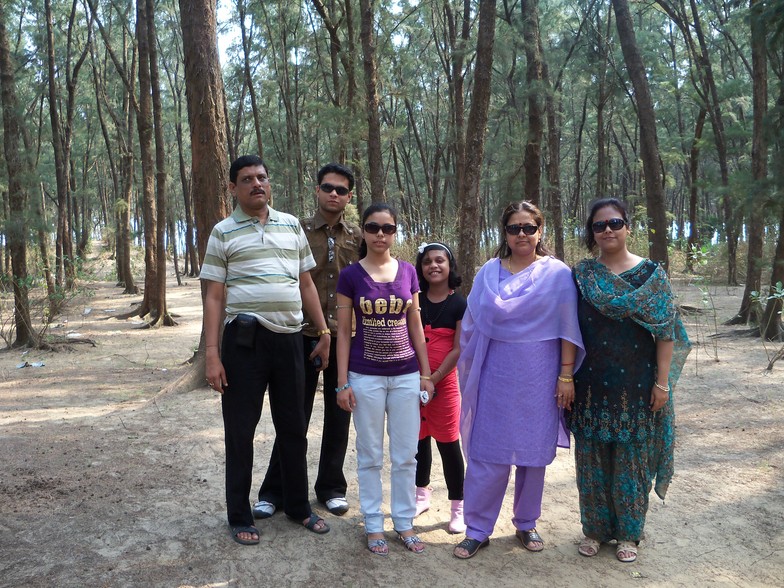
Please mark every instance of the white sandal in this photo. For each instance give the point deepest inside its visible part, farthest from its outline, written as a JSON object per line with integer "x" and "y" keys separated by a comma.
{"x": 589, "y": 547}
{"x": 628, "y": 547}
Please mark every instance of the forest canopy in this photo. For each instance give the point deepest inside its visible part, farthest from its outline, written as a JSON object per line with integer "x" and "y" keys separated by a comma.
{"x": 448, "y": 110}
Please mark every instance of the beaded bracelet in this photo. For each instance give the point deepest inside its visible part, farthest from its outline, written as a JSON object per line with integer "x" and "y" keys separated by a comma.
{"x": 345, "y": 386}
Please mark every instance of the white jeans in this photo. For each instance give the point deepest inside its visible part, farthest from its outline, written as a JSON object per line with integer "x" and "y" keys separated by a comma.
{"x": 397, "y": 397}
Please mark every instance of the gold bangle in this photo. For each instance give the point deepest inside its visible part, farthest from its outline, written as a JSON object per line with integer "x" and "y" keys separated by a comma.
{"x": 323, "y": 332}
{"x": 663, "y": 388}
{"x": 425, "y": 378}
{"x": 565, "y": 380}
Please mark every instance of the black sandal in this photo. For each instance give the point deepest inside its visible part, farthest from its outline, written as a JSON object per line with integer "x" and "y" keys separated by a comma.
{"x": 471, "y": 546}
{"x": 528, "y": 537}
{"x": 250, "y": 530}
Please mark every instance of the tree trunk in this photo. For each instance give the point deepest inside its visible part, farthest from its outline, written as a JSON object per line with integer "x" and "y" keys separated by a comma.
{"x": 43, "y": 248}
{"x": 246, "y": 44}
{"x": 771, "y": 325}
{"x": 554, "y": 205}
{"x": 649, "y": 149}
{"x": 144, "y": 123}
{"x": 60, "y": 159}
{"x": 532, "y": 159}
{"x": 124, "y": 210}
{"x": 62, "y": 139}
{"x": 162, "y": 317}
{"x": 578, "y": 170}
{"x": 603, "y": 94}
{"x": 469, "y": 203}
{"x": 457, "y": 45}
{"x": 124, "y": 124}
{"x": 204, "y": 91}
{"x": 759, "y": 165}
{"x": 16, "y": 228}
{"x": 694, "y": 162}
{"x": 375, "y": 163}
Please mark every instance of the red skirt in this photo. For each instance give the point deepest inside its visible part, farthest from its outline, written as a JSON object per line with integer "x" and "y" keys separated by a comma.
{"x": 440, "y": 419}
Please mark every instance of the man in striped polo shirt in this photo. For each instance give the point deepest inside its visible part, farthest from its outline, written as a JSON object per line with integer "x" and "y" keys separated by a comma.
{"x": 258, "y": 261}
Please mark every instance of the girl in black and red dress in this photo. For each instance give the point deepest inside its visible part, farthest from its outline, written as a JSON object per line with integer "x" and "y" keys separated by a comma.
{"x": 442, "y": 312}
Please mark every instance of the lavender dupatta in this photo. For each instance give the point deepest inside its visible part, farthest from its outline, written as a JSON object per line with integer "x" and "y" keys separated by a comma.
{"x": 538, "y": 303}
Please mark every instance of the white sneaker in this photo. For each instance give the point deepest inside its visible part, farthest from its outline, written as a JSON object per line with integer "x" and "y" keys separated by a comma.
{"x": 337, "y": 506}
{"x": 263, "y": 509}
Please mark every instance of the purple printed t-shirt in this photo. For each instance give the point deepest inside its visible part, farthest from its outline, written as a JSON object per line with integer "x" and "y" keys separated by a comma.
{"x": 382, "y": 346}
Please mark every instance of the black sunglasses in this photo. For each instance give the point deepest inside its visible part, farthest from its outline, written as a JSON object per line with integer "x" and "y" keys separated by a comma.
{"x": 374, "y": 228}
{"x": 516, "y": 229}
{"x": 327, "y": 188}
{"x": 616, "y": 224}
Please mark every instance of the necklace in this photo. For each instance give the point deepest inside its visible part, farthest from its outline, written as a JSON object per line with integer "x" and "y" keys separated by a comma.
{"x": 442, "y": 305}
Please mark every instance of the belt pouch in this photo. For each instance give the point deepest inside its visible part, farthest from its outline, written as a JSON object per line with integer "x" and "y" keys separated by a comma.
{"x": 246, "y": 330}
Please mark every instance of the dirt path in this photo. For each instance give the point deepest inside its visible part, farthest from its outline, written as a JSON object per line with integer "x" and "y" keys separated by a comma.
{"x": 105, "y": 484}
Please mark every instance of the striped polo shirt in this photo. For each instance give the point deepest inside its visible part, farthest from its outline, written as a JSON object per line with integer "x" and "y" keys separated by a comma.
{"x": 260, "y": 265}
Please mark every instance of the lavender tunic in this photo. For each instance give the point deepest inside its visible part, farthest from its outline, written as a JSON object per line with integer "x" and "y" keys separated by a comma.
{"x": 510, "y": 359}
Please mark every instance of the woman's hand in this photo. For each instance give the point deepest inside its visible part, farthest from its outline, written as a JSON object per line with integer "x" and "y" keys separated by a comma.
{"x": 564, "y": 394}
{"x": 659, "y": 398}
{"x": 346, "y": 400}
{"x": 429, "y": 387}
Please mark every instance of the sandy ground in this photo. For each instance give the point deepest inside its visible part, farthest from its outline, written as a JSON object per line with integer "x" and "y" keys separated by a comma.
{"x": 104, "y": 482}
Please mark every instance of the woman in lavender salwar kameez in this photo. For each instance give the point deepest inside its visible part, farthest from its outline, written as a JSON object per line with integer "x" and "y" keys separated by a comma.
{"x": 520, "y": 346}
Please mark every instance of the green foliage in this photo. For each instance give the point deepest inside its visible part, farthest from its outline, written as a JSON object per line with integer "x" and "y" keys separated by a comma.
{"x": 302, "y": 86}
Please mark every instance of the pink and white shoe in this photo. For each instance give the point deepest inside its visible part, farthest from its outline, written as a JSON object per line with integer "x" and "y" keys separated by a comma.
{"x": 456, "y": 524}
{"x": 423, "y": 499}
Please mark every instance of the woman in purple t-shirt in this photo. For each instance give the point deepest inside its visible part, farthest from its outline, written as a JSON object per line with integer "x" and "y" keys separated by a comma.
{"x": 379, "y": 374}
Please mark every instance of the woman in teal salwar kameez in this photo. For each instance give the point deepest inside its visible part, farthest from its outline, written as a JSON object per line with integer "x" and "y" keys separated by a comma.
{"x": 622, "y": 418}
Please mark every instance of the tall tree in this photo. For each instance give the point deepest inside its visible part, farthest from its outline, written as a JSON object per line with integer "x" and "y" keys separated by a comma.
{"x": 62, "y": 133}
{"x": 706, "y": 86}
{"x": 145, "y": 127}
{"x": 18, "y": 167}
{"x": 375, "y": 163}
{"x": 468, "y": 218}
{"x": 247, "y": 40}
{"x": 160, "y": 313}
{"x": 173, "y": 67}
{"x": 759, "y": 163}
{"x": 649, "y": 144}
{"x": 123, "y": 116}
{"x": 532, "y": 159}
{"x": 204, "y": 90}
{"x": 771, "y": 325}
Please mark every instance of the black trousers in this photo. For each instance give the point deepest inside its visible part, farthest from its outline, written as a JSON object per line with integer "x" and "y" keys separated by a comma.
{"x": 275, "y": 362}
{"x": 330, "y": 482}
{"x": 451, "y": 459}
